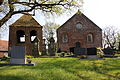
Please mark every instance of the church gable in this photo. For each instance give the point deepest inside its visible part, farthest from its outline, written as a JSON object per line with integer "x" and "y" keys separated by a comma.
{"x": 79, "y": 29}
{"x": 26, "y": 20}
{"x": 79, "y": 21}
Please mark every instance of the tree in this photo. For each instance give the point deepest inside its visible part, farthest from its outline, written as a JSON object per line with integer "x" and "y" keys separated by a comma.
{"x": 48, "y": 29}
{"x": 22, "y": 6}
{"x": 110, "y": 37}
{"x": 118, "y": 40}
{"x": 3, "y": 31}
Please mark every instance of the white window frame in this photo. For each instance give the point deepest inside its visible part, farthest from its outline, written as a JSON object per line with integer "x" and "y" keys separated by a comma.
{"x": 65, "y": 38}
{"x": 90, "y": 38}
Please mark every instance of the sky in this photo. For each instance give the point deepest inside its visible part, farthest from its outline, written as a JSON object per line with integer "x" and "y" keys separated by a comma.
{"x": 103, "y": 13}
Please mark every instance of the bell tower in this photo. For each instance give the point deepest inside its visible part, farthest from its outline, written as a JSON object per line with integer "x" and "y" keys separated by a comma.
{"x": 24, "y": 32}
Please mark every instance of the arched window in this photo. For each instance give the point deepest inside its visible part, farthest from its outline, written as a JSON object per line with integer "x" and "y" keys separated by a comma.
{"x": 20, "y": 36}
{"x": 89, "y": 38}
{"x": 33, "y": 35}
{"x": 65, "y": 38}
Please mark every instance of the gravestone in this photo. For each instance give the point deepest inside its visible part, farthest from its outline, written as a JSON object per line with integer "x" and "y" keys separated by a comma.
{"x": 108, "y": 51}
{"x": 51, "y": 47}
{"x": 17, "y": 55}
{"x": 91, "y": 51}
{"x": 71, "y": 49}
{"x": 78, "y": 50}
{"x": 44, "y": 52}
{"x": 59, "y": 50}
{"x": 35, "y": 48}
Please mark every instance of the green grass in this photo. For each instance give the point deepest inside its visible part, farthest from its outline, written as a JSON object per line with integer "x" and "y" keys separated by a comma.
{"x": 64, "y": 69}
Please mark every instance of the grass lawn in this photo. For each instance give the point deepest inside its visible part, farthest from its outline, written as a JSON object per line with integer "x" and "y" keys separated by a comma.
{"x": 64, "y": 69}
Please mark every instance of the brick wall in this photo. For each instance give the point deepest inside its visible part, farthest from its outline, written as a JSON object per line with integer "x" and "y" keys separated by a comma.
{"x": 79, "y": 35}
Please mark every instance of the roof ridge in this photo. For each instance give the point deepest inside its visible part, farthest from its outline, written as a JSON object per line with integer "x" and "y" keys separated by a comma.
{"x": 26, "y": 20}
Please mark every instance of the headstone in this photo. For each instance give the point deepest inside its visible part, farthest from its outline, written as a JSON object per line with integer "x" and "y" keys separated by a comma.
{"x": 17, "y": 55}
{"x": 59, "y": 50}
{"x": 108, "y": 51}
{"x": 80, "y": 51}
{"x": 51, "y": 47}
{"x": 35, "y": 48}
{"x": 91, "y": 51}
{"x": 44, "y": 48}
{"x": 72, "y": 49}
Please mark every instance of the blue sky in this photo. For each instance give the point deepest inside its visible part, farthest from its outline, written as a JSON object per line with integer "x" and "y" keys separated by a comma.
{"x": 102, "y": 12}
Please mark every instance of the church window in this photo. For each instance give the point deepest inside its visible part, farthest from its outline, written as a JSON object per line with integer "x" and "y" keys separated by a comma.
{"x": 89, "y": 38}
{"x": 78, "y": 26}
{"x": 65, "y": 38}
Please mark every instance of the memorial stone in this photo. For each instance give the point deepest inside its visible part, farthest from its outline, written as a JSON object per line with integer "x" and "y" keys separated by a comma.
{"x": 17, "y": 55}
{"x": 79, "y": 51}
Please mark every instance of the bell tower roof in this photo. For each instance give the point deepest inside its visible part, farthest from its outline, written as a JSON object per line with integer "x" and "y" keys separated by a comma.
{"x": 26, "y": 20}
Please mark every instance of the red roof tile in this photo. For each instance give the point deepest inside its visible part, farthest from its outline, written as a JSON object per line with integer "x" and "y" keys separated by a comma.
{"x": 3, "y": 45}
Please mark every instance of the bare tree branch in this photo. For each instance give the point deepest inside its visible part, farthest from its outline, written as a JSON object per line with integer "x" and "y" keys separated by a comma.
{"x": 44, "y": 5}
{"x": 110, "y": 37}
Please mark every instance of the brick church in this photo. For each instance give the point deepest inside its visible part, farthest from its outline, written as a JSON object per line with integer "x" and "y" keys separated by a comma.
{"x": 79, "y": 30}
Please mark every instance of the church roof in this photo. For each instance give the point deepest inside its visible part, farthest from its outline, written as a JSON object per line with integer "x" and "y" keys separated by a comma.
{"x": 26, "y": 20}
{"x": 80, "y": 14}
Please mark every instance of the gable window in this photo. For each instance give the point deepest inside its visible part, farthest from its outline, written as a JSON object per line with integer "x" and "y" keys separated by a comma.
{"x": 89, "y": 38}
{"x": 78, "y": 26}
{"x": 65, "y": 38}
